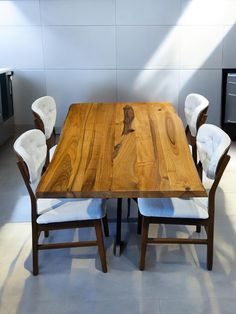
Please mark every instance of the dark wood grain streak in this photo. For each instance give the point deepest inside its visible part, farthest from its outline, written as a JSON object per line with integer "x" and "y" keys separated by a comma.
{"x": 170, "y": 128}
{"x": 116, "y": 150}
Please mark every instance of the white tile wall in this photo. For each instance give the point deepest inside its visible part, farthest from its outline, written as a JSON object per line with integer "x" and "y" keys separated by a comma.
{"x": 69, "y": 47}
{"x": 148, "y": 47}
{"x": 110, "y": 50}
{"x": 21, "y": 47}
{"x": 19, "y": 13}
{"x": 70, "y": 86}
{"x": 205, "y": 82}
{"x": 229, "y": 12}
{"x": 148, "y": 12}
{"x": 229, "y": 53}
{"x": 201, "y": 12}
{"x": 148, "y": 85}
{"x": 80, "y": 12}
{"x": 28, "y": 85}
{"x": 201, "y": 47}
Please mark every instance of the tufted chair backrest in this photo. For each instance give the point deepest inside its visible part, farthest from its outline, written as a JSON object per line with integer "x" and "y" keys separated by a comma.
{"x": 31, "y": 147}
{"x": 45, "y": 108}
{"x": 212, "y": 143}
{"x": 194, "y": 105}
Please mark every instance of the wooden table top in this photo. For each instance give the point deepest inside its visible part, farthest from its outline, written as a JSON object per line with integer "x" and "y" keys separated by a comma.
{"x": 119, "y": 150}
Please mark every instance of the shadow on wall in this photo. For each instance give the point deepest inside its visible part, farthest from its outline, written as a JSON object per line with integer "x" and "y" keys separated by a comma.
{"x": 27, "y": 86}
{"x": 206, "y": 81}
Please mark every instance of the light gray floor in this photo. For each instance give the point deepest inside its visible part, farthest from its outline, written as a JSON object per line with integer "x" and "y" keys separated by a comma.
{"x": 71, "y": 281}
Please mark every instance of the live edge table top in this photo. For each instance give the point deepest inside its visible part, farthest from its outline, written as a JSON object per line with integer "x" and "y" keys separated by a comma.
{"x": 121, "y": 150}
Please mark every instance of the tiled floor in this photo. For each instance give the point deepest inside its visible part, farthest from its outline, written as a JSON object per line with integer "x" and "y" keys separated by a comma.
{"x": 71, "y": 281}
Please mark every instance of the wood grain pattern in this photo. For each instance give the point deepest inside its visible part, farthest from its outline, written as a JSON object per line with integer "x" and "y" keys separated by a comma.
{"x": 121, "y": 150}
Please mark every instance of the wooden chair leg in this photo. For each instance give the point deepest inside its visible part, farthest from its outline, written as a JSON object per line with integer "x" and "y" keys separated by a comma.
{"x": 101, "y": 248}
{"x": 139, "y": 228}
{"x": 198, "y": 228}
{"x": 35, "y": 252}
{"x": 46, "y": 233}
{"x": 105, "y": 226}
{"x": 210, "y": 235}
{"x": 144, "y": 238}
{"x": 194, "y": 153}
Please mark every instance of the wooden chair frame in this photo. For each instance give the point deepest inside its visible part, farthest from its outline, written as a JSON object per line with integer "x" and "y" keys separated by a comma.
{"x": 51, "y": 141}
{"x": 207, "y": 223}
{"x": 202, "y": 117}
{"x": 38, "y": 228}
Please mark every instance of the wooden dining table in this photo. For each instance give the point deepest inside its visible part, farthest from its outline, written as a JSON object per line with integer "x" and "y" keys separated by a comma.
{"x": 121, "y": 150}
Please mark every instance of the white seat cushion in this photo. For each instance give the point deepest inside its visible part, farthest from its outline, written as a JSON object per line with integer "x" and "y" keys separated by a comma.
{"x": 195, "y": 208}
{"x": 62, "y": 210}
{"x": 52, "y": 151}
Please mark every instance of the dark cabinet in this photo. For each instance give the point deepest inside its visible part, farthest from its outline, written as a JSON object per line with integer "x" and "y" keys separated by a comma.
{"x": 228, "y": 118}
{"x": 6, "y": 97}
{"x": 6, "y": 105}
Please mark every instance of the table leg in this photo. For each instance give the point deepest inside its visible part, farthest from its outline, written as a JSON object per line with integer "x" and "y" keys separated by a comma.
{"x": 118, "y": 243}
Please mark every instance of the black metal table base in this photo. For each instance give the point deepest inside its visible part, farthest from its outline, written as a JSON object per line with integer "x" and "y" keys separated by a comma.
{"x": 118, "y": 245}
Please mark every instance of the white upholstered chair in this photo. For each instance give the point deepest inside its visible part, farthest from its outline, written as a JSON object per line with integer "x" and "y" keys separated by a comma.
{"x": 213, "y": 145}
{"x": 195, "y": 110}
{"x": 45, "y": 113}
{"x": 54, "y": 214}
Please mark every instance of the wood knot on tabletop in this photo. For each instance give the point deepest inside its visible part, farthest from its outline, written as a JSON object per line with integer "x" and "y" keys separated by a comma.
{"x": 128, "y": 119}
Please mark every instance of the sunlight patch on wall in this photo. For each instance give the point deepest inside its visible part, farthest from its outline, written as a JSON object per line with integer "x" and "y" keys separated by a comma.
{"x": 13, "y": 14}
{"x": 199, "y": 37}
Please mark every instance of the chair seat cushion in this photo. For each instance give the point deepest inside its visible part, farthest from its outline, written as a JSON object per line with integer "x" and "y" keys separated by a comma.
{"x": 63, "y": 210}
{"x": 52, "y": 151}
{"x": 194, "y": 208}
